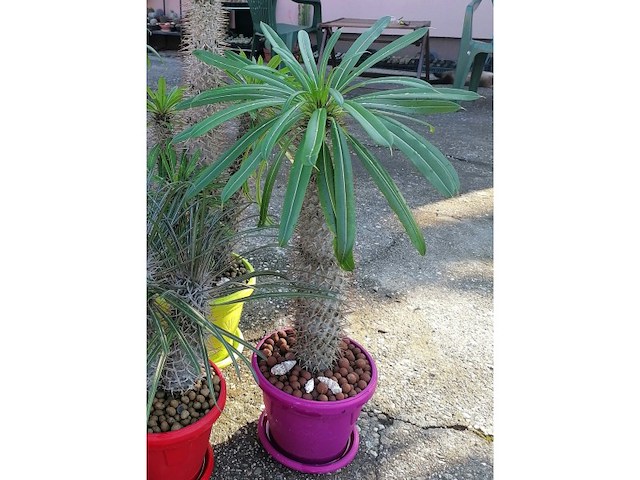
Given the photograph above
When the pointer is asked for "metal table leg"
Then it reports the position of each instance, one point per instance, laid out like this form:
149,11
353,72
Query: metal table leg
326,34
424,53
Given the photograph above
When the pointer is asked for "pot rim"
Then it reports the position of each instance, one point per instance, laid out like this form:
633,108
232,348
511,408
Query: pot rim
188,431
360,398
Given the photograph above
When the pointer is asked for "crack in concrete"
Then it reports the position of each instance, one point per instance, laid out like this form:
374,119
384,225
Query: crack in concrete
395,238
472,162
478,432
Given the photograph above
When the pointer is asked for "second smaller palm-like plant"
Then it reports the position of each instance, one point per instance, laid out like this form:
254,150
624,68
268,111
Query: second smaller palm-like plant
183,264
164,119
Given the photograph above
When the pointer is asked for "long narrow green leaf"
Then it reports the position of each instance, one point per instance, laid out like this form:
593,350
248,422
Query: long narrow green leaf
404,117
292,97
276,42
417,106
458,94
372,125
344,196
337,96
326,54
171,324
229,60
427,159
307,56
237,70
275,61
238,58
283,123
198,319
154,346
393,80
269,76
211,172
258,181
232,93
161,357
269,181
207,366
380,55
314,136
326,189
222,116
278,46
152,156
293,197
155,380
247,168
450,94
357,49
230,66
391,193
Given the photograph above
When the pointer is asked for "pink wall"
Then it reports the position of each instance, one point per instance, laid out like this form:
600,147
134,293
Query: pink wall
170,5
446,15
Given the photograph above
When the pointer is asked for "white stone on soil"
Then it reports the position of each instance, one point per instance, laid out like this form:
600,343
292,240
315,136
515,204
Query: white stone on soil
282,368
332,384
308,387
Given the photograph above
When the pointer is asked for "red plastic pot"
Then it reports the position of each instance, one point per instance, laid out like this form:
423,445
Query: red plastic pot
306,435
180,455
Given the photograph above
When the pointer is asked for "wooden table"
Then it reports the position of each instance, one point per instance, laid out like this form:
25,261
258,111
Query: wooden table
327,31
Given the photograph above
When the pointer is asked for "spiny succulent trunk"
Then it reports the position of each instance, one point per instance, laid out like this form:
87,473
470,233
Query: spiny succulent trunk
162,130
319,323
179,373
205,28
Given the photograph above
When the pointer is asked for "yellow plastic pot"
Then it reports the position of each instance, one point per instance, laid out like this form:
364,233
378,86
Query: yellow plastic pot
228,318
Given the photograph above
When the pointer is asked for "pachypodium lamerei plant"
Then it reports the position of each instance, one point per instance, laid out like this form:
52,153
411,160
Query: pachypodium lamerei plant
304,108
184,264
204,27
186,244
163,118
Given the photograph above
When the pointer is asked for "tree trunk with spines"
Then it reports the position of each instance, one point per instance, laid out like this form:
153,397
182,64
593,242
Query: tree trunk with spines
160,130
205,28
319,322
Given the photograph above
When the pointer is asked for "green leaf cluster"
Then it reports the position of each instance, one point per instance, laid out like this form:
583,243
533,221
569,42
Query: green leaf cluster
303,110
162,102
165,164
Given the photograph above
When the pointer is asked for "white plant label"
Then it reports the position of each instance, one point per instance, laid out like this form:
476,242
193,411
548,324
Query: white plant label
282,368
332,384
309,386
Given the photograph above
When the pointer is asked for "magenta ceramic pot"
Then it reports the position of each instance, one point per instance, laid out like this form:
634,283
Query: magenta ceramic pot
307,435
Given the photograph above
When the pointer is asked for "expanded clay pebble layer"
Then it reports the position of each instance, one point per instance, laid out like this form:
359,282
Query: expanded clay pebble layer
352,372
174,412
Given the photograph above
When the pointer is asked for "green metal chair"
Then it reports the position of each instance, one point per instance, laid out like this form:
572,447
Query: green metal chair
316,19
265,11
473,53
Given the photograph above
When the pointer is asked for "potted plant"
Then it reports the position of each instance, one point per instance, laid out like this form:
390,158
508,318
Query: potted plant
169,165
314,379
186,393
